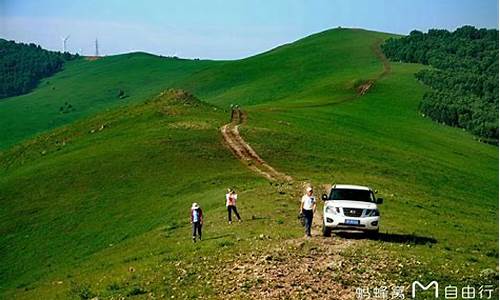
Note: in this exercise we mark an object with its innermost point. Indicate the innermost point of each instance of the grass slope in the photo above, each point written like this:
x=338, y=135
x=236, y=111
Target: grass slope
x=79, y=189
x=315, y=68
x=90, y=212
x=437, y=182
x=89, y=87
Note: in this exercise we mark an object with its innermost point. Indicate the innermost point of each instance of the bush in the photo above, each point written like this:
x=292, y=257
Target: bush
x=82, y=291
x=136, y=290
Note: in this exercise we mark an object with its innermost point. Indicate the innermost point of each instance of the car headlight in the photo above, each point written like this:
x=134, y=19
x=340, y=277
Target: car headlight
x=332, y=210
x=372, y=213
x=329, y=210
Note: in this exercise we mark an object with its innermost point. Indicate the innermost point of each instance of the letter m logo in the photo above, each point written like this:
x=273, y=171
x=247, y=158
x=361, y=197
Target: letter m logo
x=433, y=284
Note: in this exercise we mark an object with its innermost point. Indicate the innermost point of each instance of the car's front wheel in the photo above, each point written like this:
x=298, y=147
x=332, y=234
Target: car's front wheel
x=373, y=234
x=327, y=231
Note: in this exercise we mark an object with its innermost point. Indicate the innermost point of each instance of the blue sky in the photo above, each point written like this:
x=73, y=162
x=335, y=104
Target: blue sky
x=221, y=29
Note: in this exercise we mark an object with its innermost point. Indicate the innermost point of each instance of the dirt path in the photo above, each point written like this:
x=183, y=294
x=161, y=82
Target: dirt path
x=316, y=268
x=244, y=152
x=296, y=268
x=365, y=87
x=251, y=159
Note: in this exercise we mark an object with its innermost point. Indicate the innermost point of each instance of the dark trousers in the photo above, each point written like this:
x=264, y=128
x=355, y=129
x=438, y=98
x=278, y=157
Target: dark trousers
x=308, y=218
x=233, y=208
x=196, y=229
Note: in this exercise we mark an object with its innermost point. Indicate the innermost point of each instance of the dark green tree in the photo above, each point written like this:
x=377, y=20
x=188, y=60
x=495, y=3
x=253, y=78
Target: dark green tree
x=23, y=65
x=464, y=77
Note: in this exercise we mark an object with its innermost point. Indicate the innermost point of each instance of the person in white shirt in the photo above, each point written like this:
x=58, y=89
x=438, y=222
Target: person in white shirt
x=231, y=197
x=308, y=208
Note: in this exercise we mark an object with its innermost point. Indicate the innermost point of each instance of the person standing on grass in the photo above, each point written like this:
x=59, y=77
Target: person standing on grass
x=196, y=220
x=308, y=208
x=231, y=197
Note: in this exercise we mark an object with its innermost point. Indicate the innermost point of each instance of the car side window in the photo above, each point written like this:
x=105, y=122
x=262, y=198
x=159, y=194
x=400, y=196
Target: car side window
x=332, y=195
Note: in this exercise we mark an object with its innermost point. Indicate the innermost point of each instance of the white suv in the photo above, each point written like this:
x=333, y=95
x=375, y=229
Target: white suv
x=351, y=207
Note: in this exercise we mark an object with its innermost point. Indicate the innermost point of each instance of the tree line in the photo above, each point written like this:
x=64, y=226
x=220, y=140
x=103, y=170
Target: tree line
x=23, y=65
x=463, y=79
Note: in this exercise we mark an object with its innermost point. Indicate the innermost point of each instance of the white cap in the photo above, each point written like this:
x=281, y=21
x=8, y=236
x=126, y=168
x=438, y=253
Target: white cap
x=195, y=206
x=309, y=189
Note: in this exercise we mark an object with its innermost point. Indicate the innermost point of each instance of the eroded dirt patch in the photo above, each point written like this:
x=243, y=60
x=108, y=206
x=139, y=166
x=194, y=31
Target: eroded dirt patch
x=194, y=125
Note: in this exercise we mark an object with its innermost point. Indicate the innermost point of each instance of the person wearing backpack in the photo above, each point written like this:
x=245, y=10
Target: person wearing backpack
x=196, y=220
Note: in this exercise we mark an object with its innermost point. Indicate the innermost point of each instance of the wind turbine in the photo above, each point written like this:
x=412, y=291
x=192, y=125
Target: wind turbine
x=96, y=48
x=64, y=41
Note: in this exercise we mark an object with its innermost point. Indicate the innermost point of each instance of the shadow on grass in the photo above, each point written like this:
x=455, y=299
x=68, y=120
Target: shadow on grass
x=218, y=237
x=255, y=218
x=390, y=237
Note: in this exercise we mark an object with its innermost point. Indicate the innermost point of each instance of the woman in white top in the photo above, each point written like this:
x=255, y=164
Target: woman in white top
x=308, y=208
x=231, y=197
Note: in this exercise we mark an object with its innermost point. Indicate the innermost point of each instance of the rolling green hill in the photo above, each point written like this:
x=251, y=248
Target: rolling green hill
x=85, y=87
x=315, y=67
x=99, y=207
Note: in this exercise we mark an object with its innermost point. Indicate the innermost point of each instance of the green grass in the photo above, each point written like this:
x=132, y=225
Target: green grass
x=140, y=172
x=91, y=212
x=307, y=68
x=316, y=68
x=437, y=181
x=89, y=87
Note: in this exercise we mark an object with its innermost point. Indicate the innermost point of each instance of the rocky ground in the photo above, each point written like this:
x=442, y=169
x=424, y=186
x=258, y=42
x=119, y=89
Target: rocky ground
x=315, y=268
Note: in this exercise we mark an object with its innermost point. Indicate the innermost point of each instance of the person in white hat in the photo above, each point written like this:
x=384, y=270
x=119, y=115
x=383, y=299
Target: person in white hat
x=308, y=208
x=196, y=220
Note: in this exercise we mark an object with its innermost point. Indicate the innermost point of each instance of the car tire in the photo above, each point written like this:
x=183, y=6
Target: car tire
x=327, y=231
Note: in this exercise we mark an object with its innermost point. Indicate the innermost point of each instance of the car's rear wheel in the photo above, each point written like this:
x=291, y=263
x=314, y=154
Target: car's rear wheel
x=327, y=231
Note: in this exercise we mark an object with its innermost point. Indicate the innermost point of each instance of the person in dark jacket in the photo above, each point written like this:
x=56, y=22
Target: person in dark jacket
x=196, y=220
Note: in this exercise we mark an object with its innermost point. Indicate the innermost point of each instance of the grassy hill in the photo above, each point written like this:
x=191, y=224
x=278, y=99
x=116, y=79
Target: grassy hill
x=85, y=87
x=437, y=183
x=99, y=207
x=309, y=67
x=316, y=68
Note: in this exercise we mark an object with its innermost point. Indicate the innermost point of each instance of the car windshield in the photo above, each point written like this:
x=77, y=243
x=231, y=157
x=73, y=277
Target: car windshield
x=352, y=194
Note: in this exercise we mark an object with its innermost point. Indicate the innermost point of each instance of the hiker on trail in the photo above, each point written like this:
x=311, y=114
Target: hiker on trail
x=231, y=197
x=196, y=220
x=308, y=208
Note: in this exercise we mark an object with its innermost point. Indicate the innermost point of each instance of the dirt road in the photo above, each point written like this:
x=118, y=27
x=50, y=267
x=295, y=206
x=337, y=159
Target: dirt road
x=316, y=268
x=365, y=87
x=244, y=152
x=291, y=269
